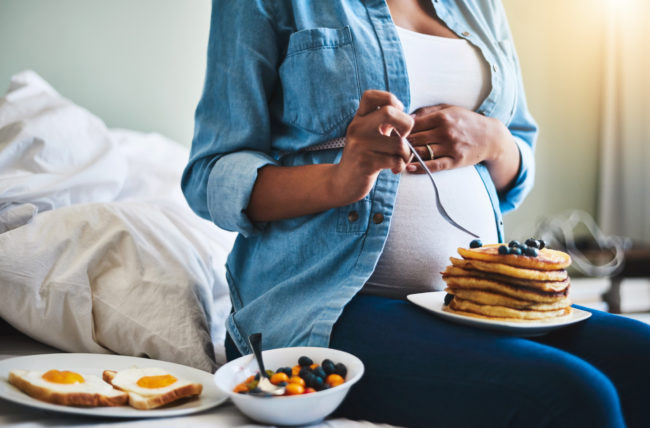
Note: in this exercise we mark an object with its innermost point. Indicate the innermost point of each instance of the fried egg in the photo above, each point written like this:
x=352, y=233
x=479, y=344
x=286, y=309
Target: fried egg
x=65, y=381
x=147, y=381
x=67, y=388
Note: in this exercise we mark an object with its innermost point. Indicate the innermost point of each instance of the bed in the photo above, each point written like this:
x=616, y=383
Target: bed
x=99, y=253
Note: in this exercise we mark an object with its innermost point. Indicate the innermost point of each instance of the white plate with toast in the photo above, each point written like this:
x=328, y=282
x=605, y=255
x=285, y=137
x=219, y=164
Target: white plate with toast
x=434, y=302
x=94, y=365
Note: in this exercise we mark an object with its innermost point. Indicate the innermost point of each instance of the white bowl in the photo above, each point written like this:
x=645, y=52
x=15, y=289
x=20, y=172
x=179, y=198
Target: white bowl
x=294, y=409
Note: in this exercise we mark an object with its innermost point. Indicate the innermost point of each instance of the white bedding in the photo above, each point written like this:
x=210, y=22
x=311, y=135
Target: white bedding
x=99, y=251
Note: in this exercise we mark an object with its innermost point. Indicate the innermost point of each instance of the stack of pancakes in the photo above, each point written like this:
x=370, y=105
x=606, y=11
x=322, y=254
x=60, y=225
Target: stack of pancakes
x=510, y=287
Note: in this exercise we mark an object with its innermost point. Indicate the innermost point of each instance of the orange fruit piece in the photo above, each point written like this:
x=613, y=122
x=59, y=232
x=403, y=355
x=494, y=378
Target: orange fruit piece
x=334, y=380
x=279, y=377
x=297, y=379
x=294, y=389
x=241, y=388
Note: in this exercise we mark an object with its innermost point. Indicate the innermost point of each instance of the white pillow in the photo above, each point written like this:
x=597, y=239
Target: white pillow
x=126, y=277
x=52, y=152
x=100, y=252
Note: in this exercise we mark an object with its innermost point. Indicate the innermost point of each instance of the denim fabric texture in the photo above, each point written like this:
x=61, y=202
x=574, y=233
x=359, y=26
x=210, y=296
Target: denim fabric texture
x=285, y=75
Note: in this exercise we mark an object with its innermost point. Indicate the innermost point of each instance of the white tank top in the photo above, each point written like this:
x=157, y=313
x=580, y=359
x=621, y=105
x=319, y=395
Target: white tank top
x=420, y=240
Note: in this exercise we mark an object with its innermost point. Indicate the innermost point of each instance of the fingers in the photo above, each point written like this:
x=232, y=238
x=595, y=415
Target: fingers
x=377, y=160
x=452, y=134
x=390, y=118
x=430, y=121
x=430, y=109
x=425, y=137
x=392, y=145
x=384, y=125
x=443, y=158
x=441, y=115
x=435, y=165
x=372, y=99
x=436, y=138
x=425, y=151
x=374, y=136
x=363, y=137
x=381, y=122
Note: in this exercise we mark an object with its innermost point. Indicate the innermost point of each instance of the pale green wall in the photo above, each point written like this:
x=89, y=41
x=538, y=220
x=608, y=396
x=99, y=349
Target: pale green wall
x=139, y=64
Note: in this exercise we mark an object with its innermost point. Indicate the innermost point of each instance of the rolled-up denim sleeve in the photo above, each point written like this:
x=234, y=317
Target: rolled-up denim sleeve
x=232, y=122
x=524, y=130
x=229, y=188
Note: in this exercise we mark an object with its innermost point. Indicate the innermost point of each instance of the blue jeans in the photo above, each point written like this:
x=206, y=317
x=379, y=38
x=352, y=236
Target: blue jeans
x=422, y=371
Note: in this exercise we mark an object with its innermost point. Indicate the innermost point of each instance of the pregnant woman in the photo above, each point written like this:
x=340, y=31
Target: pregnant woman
x=299, y=146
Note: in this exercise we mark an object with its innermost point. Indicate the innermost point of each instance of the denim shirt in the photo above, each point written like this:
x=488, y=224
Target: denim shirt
x=285, y=75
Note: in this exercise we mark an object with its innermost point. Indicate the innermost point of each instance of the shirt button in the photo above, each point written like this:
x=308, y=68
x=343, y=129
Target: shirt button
x=378, y=218
x=495, y=67
x=465, y=34
x=353, y=216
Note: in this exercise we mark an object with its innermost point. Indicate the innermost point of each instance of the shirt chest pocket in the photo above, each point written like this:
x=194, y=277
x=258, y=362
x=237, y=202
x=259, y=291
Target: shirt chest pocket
x=319, y=80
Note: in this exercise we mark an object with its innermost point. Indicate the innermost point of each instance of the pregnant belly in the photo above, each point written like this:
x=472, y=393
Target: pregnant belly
x=421, y=240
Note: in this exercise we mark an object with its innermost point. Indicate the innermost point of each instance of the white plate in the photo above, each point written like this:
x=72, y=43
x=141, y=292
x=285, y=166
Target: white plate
x=434, y=302
x=95, y=364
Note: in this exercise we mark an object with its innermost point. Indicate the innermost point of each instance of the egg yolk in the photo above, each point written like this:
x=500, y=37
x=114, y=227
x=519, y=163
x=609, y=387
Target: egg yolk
x=56, y=376
x=156, y=381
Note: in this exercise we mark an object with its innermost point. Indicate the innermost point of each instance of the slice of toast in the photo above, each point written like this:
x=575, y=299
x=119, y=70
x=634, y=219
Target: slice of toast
x=155, y=399
x=67, y=396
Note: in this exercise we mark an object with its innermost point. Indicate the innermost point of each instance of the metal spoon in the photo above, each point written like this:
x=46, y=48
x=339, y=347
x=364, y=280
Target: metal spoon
x=264, y=384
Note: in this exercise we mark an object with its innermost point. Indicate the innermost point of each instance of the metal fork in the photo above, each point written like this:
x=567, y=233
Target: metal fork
x=435, y=187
